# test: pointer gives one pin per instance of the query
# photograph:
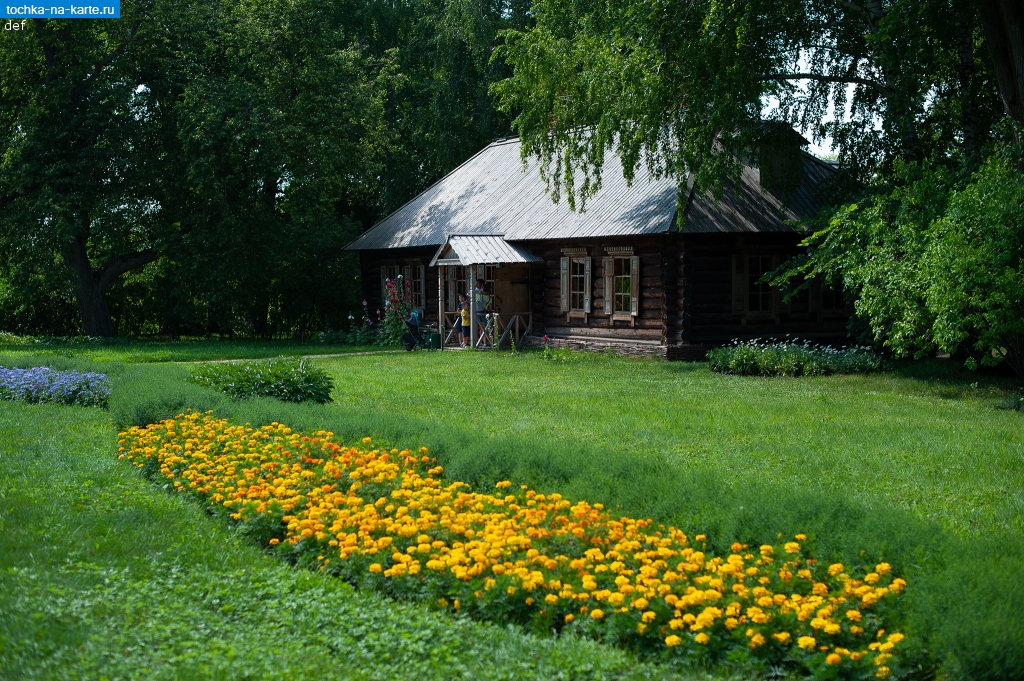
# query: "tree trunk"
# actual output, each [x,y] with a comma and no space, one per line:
[92,305]
[91,285]
[1003,22]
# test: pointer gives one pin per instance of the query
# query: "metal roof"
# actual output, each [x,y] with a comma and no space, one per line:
[482,249]
[491,194]
[750,209]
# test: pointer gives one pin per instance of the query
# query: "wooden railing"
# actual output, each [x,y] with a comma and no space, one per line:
[502,328]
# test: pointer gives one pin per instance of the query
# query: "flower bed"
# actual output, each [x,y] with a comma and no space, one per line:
[42,384]
[384,518]
[791,358]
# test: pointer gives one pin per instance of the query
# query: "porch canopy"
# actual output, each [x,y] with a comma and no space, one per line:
[470,250]
[481,249]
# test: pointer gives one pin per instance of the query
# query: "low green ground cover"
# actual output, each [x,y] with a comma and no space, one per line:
[104,576]
[13,351]
[918,467]
[792,358]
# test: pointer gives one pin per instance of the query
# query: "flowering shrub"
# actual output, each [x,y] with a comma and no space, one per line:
[397,306]
[42,384]
[385,518]
[289,380]
[790,358]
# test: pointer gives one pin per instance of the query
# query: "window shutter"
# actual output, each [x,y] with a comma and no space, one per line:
[565,284]
[608,264]
[739,284]
[586,285]
[634,285]
[814,298]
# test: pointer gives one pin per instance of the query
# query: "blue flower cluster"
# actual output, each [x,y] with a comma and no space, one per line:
[42,384]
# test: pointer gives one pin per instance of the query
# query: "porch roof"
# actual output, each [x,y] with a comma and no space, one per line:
[479,249]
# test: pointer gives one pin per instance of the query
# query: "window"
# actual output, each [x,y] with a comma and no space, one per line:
[414,284]
[760,295]
[832,299]
[576,285]
[623,285]
[412,278]
[455,283]
[387,272]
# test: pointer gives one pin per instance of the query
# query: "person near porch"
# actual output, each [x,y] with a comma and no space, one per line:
[463,323]
[482,302]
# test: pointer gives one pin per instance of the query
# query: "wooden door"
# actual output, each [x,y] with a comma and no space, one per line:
[512,289]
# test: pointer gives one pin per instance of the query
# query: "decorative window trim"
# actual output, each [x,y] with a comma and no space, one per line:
[574,251]
[619,251]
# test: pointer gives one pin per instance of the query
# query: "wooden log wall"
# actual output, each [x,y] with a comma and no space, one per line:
[547,291]
[370,263]
[706,265]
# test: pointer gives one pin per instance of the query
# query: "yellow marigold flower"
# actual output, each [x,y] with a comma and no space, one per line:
[641,628]
[895,638]
[700,537]
[766,549]
[275,541]
[782,637]
[854,615]
[639,603]
[673,640]
[649,616]
[551,599]
[367,440]
[835,568]
[806,642]
[702,638]
[569,618]
[801,537]
[833,658]
[375,567]
[597,613]
[791,547]
[856,630]
[730,623]
[883,568]
[882,672]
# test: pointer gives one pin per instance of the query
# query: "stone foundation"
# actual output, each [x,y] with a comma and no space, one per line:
[626,348]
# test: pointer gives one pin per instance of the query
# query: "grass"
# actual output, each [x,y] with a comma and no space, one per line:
[173,351]
[933,445]
[918,467]
[104,576]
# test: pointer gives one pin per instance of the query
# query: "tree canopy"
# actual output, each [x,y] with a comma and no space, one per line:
[914,97]
[196,169]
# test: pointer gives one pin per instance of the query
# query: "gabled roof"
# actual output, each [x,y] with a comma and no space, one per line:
[491,194]
[470,249]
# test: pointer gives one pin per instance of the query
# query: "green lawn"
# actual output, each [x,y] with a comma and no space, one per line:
[938,448]
[918,467]
[171,351]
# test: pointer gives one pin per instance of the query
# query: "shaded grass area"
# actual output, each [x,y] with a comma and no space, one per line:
[173,351]
[918,468]
[104,576]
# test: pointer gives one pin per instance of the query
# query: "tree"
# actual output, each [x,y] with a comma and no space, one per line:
[72,175]
[931,93]
[681,86]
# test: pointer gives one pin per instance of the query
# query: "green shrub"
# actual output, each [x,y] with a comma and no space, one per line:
[285,379]
[789,358]
[1014,401]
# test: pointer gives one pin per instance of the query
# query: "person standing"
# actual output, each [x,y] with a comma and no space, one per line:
[482,302]
[463,329]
